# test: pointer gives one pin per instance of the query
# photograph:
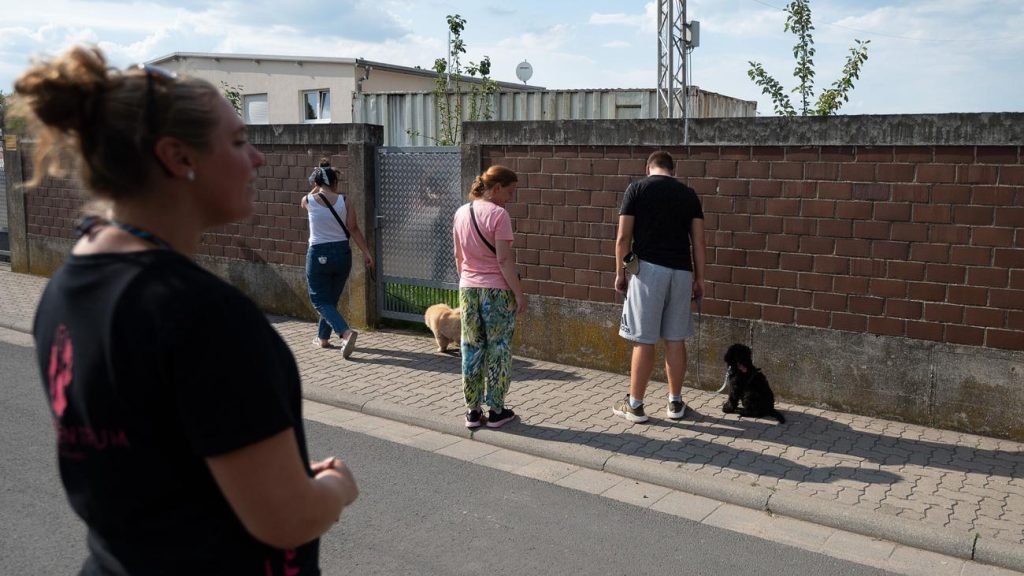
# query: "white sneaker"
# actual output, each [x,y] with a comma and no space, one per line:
[675,410]
[622,408]
[349,344]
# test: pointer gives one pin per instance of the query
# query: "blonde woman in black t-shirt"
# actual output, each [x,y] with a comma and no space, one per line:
[177,406]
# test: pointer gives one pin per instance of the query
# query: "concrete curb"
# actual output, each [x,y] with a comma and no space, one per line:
[667,475]
[25,327]
[1003,554]
[958,544]
[892,528]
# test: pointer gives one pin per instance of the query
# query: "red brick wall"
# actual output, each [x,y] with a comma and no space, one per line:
[277,233]
[53,209]
[924,242]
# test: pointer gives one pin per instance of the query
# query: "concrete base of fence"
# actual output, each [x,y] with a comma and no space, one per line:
[967,388]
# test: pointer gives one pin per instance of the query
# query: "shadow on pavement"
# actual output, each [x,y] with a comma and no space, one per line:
[696,451]
[813,432]
[801,430]
[448,363]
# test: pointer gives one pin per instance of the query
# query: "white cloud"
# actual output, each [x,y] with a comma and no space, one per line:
[548,39]
[646,22]
[618,18]
[924,55]
[744,25]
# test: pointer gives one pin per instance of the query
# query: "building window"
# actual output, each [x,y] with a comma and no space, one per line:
[316,106]
[254,109]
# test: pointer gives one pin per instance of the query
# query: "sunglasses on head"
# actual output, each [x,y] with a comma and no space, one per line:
[152,112]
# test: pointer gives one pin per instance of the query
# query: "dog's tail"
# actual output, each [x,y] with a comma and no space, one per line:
[778,416]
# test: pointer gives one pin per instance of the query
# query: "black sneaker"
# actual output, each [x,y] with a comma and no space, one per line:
[675,410]
[495,420]
[473,418]
[622,408]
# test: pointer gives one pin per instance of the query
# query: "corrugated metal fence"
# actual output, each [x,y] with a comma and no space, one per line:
[410,119]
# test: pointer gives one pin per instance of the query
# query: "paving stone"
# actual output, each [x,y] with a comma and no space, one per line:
[805,535]
[546,470]
[737,519]
[859,548]
[636,493]
[977,569]
[334,416]
[431,441]
[591,481]
[914,562]
[688,506]
[468,450]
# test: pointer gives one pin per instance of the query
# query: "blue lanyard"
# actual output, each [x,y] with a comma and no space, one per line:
[90,221]
[143,234]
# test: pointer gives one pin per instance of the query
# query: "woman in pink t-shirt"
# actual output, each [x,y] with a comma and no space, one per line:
[489,294]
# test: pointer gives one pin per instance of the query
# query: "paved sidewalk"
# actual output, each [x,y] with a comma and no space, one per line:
[957,494]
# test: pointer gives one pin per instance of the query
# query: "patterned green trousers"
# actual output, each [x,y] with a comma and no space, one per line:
[488,321]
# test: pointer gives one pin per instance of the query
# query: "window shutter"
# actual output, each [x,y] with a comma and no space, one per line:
[255,108]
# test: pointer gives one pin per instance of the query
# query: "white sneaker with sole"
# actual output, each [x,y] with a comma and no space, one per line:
[349,344]
[622,408]
[675,410]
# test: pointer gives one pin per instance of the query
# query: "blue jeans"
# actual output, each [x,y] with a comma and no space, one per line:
[327,269]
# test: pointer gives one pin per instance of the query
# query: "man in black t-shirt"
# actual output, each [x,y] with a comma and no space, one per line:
[661,221]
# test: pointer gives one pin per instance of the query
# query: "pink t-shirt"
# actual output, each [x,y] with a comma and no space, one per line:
[479,265]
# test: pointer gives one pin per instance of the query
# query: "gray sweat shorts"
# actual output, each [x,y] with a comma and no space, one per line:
[657,305]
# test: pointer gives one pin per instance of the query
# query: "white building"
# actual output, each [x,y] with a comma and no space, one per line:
[298,89]
[302,89]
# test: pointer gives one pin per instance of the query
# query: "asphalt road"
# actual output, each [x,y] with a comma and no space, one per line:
[418,513]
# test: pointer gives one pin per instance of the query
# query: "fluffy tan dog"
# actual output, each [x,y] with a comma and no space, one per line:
[445,323]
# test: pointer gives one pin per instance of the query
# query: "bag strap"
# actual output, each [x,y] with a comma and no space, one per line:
[472,216]
[336,217]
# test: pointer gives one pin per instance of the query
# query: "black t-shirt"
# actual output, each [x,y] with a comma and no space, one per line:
[663,209]
[152,364]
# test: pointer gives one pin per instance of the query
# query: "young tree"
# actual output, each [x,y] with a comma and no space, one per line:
[798,21]
[448,86]
[233,94]
[10,121]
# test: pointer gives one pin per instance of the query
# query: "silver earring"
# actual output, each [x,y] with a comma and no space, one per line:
[190,176]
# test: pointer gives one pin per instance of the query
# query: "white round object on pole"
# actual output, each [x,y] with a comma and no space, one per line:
[524,71]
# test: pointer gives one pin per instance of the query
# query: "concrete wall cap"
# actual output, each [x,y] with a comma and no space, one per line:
[958,129]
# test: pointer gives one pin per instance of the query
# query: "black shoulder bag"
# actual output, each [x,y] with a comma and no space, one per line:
[338,218]
[472,216]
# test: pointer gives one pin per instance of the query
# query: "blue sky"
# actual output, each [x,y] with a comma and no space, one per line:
[925,56]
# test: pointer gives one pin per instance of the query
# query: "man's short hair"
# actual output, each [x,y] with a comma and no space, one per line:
[661,159]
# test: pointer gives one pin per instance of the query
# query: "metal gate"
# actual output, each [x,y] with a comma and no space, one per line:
[5,245]
[418,191]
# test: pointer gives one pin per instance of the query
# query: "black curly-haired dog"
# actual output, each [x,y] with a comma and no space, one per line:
[749,393]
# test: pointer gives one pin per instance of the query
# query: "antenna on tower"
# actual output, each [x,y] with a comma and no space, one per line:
[671,58]
[675,39]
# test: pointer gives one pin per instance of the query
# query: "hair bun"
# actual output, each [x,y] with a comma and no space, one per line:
[61,92]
